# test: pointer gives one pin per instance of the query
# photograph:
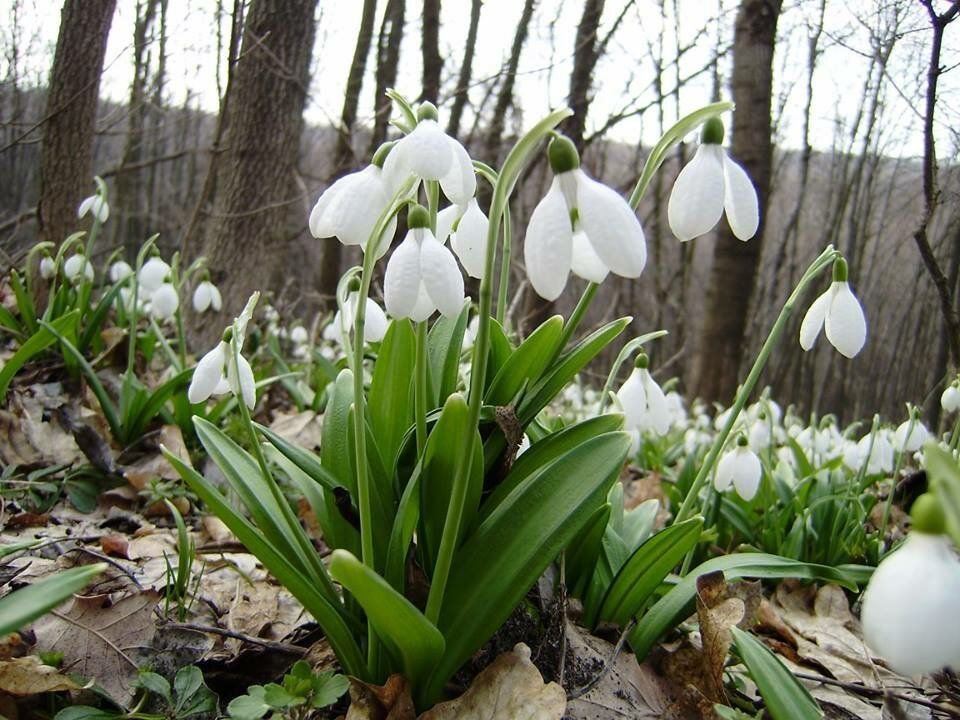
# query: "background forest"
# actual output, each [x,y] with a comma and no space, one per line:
[191,111]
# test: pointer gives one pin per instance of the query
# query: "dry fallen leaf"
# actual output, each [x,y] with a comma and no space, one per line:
[302,428]
[375,702]
[511,687]
[717,614]
[26,438]
[100,641]
[29,676]
[140,473]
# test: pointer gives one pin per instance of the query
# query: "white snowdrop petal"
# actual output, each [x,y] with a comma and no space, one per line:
[424,306]
[470,240]
[746,473]
[910,606]
[846,326]
[658,416]
[740,200]
[401,282]
[243,385]
[352,211]
[723,476]
[202,297]
[164,302]
[547,248]
[223,387]
[612,227]
[446,219]
[813,320]
[85,205]
[119,271]
[426,151]
[633,400]
[915,440]
[47,268]
[208,374]
[950,399]
[441,276]
[152,274]
[375,323]
[459,183]
[696,200]
[386,239]
[584,261]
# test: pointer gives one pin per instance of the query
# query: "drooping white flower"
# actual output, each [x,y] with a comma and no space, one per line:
[216,372]
[710,184]
[77,267]
[910,435]
[422,274]
[430,154]
[94,204]
[741,469]
[468,235]
[153,274]
[164,302]
[350,208]
[643,402]
[120,270]
[580,225]
[48,268]
[374,320]
[207,296]
[950,399]
[874,449]
[839,311]
[299,335]
[911,605]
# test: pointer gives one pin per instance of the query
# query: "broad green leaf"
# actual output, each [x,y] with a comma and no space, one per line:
[643,572]
[500,350]
[337,456]
[95,319]
[404,523]
[444,345]
[156,400]
[785,698]
[527,363]
[673,606]
[332,618]
[157,684]
[27,604]
[391,394]
[581,558]
[804,465]
[36,343]
[569,364]
[9,322]
[508,551]
[945,482]
[20,544]
[302,458]
[441,459]
[407,634]
[28,313]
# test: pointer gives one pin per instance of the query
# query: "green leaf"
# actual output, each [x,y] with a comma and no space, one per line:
[85,712]
[527,363]
[404,523]
[444,344]
[584,550]
[35,344]
[27,604]
[28,313]
[95,319]
[568,365]
[391,394]
[500,350]
[157,684]
[17,547]
[673,606]
[407,634]
[155,402]
[251,706]
[193,696]
[328,687]
[302,458]
[276,696]
[508,551]
[646,568]
[945,482]
[332,617]
[783,695]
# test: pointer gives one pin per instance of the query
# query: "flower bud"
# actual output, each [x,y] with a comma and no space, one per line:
[563,155]
[712,133]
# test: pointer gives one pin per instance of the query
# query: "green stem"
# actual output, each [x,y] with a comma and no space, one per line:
[167,350]
[896,475]
[825,260]
[504,266]
[420,388]
[570,327]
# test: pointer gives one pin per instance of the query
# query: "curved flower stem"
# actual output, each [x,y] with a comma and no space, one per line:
[502,190]
[420,387]
[504,266]
[824,261]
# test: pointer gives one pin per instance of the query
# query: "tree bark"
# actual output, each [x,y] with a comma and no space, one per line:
[585,56]
[430,46]
[460,96]
[248,232]
[505,97]
[388,60]
[735,263]
[343,159]
[66,155]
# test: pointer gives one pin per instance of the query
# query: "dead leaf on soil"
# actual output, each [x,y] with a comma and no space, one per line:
[100,641]
[29,676]
[302,428]
[511,687]
[26,438]
[140,473]
[374,702]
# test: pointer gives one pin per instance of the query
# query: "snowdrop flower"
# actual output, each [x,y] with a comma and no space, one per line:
[467,229]
[643,402]
[216,372]
[911,434]
[580,225]
[97,205]
[740,468]
[675,409]
[430,154]
[911,605]
[77,267]
[874,449]
[710,184]
[207,296]
[164,302]
[120,270]
[839,311]
[950,399]
[374,324]
[152,275]
[759,434]
[422,274]
[350,207]
[47,267]
[299,335]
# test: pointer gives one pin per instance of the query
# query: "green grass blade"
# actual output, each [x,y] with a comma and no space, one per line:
[444,344]
[27,604]
[391,395]
[35,344]
[302,458]
[785,698]
[526,364]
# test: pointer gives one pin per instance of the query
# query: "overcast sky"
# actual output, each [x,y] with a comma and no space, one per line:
[623,78]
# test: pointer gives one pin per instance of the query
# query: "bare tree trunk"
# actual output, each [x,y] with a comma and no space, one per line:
[248,232]
[585,56]
[66,156]
[343,159]
[466,71]
[430,46]
[388,60]
[735,263]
